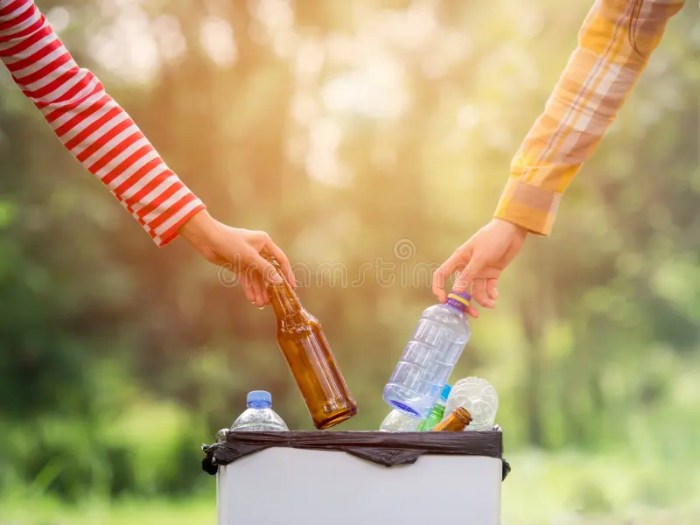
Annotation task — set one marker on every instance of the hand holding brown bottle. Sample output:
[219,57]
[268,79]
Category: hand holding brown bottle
[240,251]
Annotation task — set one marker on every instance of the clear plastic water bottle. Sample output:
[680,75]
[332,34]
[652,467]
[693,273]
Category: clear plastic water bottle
[437,414]
[479,397]
[259,416]
[397,421]
[429,357]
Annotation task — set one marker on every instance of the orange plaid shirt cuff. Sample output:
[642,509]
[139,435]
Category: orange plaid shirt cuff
[600,75]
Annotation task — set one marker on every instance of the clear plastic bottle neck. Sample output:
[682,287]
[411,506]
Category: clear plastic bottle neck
[458,302]
[259,404]
[457,308]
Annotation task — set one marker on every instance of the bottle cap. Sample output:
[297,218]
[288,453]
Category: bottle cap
[459,300]
[259,399]
[445,392]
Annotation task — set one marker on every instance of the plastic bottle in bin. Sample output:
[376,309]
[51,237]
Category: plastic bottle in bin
[397,421]
[429,357]
[437,413]
[259,416]
[479,397]
[309,356]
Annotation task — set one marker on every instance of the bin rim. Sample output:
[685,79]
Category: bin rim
[384,448]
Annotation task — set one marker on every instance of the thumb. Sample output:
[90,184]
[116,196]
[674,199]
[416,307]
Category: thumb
[467,276]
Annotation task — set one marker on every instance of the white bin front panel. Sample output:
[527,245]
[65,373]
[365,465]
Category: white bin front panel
[285,486]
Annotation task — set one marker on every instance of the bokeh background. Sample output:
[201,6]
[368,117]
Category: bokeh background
[357,134]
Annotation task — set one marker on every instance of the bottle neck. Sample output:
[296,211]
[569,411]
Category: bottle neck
[463,415]
[259,404]
[439,410]
[456,421]
[459,302]
[282,297]
[456,308]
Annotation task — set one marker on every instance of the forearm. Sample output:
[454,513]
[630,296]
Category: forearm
[597,80]
[91,125]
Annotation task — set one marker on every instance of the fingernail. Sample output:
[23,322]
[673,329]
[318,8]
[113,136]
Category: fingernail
[275,278]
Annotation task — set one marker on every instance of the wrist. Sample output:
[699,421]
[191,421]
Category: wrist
[197,228]
[514,227]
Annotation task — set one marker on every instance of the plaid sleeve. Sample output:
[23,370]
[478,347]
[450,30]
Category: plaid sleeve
[599,76]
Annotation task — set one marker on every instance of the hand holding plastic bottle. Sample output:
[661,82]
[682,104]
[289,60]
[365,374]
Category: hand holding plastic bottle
[480,262]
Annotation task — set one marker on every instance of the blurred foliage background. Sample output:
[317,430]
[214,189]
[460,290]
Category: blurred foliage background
[352,132]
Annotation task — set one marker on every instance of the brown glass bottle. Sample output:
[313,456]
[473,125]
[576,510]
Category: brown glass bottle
[308,354]
[458,419]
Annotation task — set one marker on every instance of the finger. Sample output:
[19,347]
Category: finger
[470,272]
[247,288]
[265,268]
[263,289]
[258,287]
[278,254]
[491,288]
[473,312]
[459,257]
[479,293]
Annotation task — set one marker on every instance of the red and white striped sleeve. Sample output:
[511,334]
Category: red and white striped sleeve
[91,125]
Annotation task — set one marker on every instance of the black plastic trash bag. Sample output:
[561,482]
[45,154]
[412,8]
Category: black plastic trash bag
[384,448]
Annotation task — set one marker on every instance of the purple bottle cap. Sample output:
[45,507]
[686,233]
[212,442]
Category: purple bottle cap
[459,300]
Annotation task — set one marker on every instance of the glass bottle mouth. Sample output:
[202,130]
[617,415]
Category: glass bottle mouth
[464,415]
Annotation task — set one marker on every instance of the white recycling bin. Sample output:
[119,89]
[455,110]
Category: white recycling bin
[291,486]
